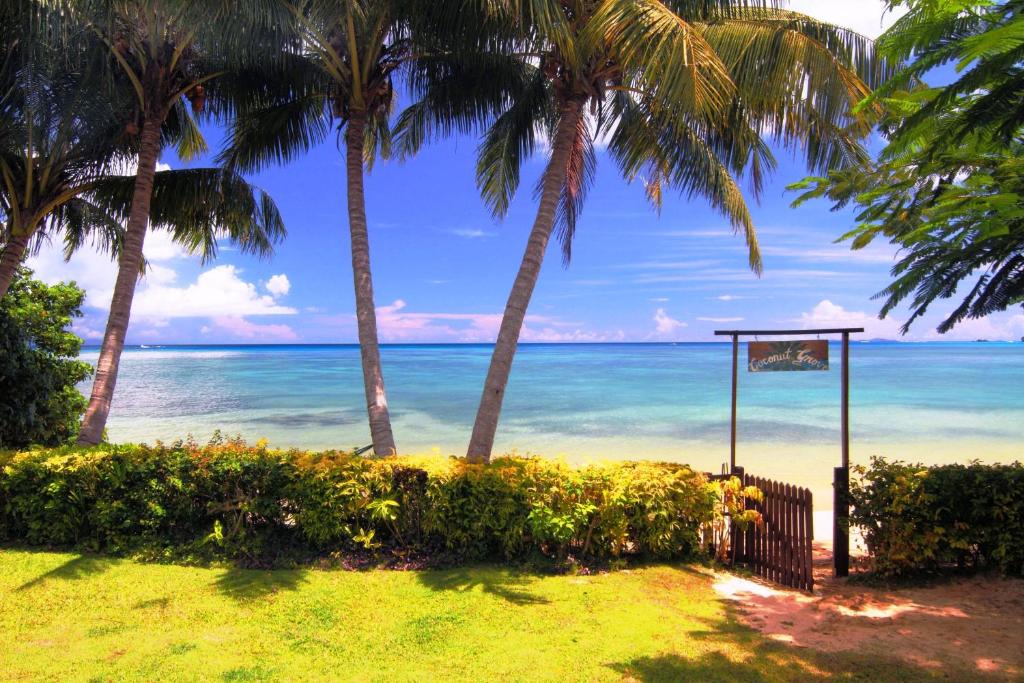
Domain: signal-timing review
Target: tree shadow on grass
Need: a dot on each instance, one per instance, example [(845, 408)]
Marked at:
[(251, 584), (712, 666), (505, 584), (76, 568), (159, 603), (759, 658), (769, 664), (777, 662), (970, 626)]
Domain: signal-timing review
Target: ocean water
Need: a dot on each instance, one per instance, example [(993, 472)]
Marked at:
[(937, 402)]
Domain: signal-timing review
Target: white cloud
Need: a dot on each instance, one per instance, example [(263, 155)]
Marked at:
[(730, 297), (131, 166), (790, 276), (160, 246), (244, 329), (659, 299), (1007, 326), (219, 293), (85, 332), (548, 334), (278, 285), (216, 292), (864, 16), (665, 324), (160, 275), (670, 265), (875, 253), (396, 323), (828, 314), (471, 233), (95, 272)]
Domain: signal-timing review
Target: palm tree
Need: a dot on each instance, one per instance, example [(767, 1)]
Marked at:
[(58, 140), (168, 52), (340, 75), (343, 65), (689, 94)]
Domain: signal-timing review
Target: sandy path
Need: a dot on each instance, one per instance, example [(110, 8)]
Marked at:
[(972, 623)]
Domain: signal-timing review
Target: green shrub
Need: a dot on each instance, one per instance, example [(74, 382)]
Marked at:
[(229, 500), (919, 519), (39, 370)]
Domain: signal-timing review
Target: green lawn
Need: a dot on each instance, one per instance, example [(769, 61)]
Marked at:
[(79, 617)]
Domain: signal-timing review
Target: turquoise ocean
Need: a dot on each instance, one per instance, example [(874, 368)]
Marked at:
[(929, 402)]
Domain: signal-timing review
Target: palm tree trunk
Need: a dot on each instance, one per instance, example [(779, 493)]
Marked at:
[(129, 267), (10, 258), (482, 441), (366, 314)]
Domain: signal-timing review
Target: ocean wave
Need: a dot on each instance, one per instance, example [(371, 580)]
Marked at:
[(157, 353)]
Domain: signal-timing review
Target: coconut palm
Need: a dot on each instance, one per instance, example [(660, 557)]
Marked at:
[(688, 93), (58, 152), (58, 139), (168, 52), (340, 75), (342, 70)]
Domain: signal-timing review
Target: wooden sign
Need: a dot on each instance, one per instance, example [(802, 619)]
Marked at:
[(787, 356)]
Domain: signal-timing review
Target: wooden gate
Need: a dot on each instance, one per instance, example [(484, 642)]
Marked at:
[(780, 550)]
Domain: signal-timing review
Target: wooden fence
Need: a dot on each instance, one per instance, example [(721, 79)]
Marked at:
[(780, 549)]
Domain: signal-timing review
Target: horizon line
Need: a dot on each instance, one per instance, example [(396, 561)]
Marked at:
[(550, 343)]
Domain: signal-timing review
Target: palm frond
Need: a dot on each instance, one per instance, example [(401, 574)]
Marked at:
[(800, 80), (581, 170), (509, 142), (200, 206), (694, 160), (663, 55), (458, 94), (276, 134)]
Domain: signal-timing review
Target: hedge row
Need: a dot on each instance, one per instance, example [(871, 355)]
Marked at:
[(920, 519), (235, 502)]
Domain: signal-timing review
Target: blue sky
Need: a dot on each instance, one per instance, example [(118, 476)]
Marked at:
[(443, 266)]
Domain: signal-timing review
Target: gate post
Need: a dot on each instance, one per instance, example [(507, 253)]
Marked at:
[(739, 545), (841, 522)]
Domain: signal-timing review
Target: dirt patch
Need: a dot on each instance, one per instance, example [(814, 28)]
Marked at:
[(974, 624)]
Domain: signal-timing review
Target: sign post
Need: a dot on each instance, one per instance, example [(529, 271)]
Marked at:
[(841, 478), (735, 387), (804, 355)]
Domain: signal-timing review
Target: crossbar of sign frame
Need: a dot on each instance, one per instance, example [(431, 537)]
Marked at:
[(787, 356)]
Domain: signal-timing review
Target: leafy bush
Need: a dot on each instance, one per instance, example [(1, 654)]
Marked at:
[(919, 519), (229, 500), (38, 368)]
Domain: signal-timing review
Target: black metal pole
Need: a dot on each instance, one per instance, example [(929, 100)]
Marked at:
[(740, 544), (846, 400), (841, 523), (841, 503), (735, 384)]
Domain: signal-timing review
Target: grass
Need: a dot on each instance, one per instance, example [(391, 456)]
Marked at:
[(80, 617)]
